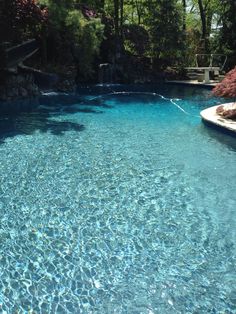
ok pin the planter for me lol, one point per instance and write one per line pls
(211, 116)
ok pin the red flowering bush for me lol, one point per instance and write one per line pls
(227, 88)
(87, 12)
(28, 11)
(28, 15)
(20, 19)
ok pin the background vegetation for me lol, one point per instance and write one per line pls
(140, 36)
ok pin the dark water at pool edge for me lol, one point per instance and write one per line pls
(10, 112)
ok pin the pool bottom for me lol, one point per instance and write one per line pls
(131, 214)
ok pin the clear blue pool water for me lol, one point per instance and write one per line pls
(121, 203)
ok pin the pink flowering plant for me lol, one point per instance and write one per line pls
(227, 88)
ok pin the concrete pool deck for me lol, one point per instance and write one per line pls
(210, 116)
(211, 84)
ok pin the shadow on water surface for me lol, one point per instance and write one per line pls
(27, 124)
(26, 118)
(65, 101)
(73, 109)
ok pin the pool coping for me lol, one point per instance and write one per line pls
(193, 83)
(209, 115)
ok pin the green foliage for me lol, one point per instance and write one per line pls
(136, 39)
(21, 19)
(74, 38)
(90, 41)
(73, 20)
(58, 12)
(192, 38)
(227, 36)
(165, 26)
(87, 37)
(82, 33)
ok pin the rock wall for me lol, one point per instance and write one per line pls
(18, 85)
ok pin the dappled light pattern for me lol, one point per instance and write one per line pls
(127, 211)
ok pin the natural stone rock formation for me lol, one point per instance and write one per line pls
(213, 116)
(66, 79)
(66, 85)
(227, 111)
(18, 85)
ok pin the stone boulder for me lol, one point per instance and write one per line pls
(16, 85)
(227, 111)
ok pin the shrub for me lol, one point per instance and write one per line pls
(227, 88)
(87, 37)
(22, 19)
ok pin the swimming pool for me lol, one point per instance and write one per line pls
(117, 200)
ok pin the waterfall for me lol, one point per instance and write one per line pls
(105, 73)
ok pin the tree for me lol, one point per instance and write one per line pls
(227, 40)
(21, 19)
(86, 35)
(206, 9)
(164, 22)
(184, 5)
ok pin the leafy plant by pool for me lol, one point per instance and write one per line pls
(227, 88)
(223, 115)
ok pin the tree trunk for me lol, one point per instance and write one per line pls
(204, 26)
(102, 4)
(121, 20)
(116, 22)
(138, 12)
(184, 15)
(117, 44)
(184, 30)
